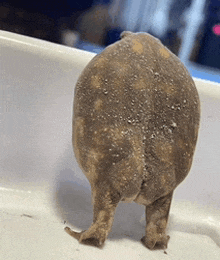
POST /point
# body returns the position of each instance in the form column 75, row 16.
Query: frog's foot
column 161, row 243
column 90, row 237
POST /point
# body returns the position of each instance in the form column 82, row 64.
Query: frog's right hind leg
column 156, row 221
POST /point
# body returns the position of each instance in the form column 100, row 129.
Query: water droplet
column 184, row 101
column 172, row 107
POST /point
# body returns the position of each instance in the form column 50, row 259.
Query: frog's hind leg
column 156, row 221
column 105, row 201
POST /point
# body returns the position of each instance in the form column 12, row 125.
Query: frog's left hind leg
column 105, row 203
column 156, row 221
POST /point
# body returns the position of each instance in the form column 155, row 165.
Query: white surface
column 41, row 186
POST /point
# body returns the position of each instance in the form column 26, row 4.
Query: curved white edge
column 77, row 57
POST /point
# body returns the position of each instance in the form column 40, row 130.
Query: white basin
column 42, row 189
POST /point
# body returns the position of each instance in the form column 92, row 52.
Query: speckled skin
column 135, row 127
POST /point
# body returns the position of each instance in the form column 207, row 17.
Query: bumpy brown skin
column 135, row 127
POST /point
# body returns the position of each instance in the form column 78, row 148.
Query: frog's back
column 136, row 99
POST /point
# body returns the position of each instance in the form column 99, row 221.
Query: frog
column 136, row 120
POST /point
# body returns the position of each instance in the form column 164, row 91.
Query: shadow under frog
column 135, row 126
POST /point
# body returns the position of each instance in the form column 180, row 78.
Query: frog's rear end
column 135, row 127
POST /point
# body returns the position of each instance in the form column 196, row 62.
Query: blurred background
column 189, row 28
